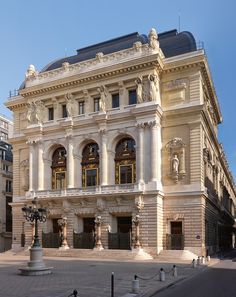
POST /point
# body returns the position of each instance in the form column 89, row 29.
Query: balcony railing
column 104, row 190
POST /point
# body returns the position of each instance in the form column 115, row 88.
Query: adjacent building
column 5, row 184
column 119, row 143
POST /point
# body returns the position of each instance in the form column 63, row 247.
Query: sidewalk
column 89, row 278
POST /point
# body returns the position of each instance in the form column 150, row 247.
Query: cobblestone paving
column 89, row 278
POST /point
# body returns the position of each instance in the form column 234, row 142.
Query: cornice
column 83, row 72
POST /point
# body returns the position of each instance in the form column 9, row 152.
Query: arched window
column 125, row 160
column 90, row 165
column 59, row 168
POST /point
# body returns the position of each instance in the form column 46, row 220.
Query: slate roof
column 172, row 44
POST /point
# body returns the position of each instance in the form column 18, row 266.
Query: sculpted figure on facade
column 25, row 175
column 40, row 111
column 31, row 110
column 139, row 89
column 153, row 39
column 103, row 98
column 70, row 105
column 153, row 90
column 175, row 164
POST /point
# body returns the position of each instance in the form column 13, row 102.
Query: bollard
column 162, row 275
column 208, row 258
column 194, row 264
column 203, row 260
column 198, row 260
column 112, row 284
column 175, row 273
column 135, row 285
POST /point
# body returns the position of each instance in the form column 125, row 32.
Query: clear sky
column 37, row 32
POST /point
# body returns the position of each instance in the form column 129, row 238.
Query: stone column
column 136, row 222
column 103, row 157
column 70, row 163
column 31, row 165
column 63, row 224
column 140, row 155
column 98, row 223
column 155, row 151
column 40, row 167
column 182, row 162
column 78, row 171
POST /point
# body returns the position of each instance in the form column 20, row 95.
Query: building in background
column 6, row 128
column 120, row 140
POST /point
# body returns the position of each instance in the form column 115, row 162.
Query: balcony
column 89, row 191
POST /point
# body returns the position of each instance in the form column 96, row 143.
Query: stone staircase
column 176, row 256
column 86, row 254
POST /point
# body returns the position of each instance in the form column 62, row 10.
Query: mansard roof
column 172, row 44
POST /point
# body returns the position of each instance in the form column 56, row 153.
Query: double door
column 85, row 239
column 122, row 239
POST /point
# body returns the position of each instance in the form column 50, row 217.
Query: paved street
column 217, row 281
column 90, row 278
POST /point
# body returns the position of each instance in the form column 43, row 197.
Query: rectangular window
column 132, row 97
column 91, row 177
column 50, row 113
column 8, row 215
column 96, row 104
column 126, row 174
column 8, row 186
column 64, row 111
column 81, row 107
column 115, row 100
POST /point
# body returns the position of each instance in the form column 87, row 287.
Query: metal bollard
column 194, row 264
column 203, row 260
column 175, row 273
column 208, row 258
column 135, row 285
column 198, row 260
column 112, row 284
column 162, row 275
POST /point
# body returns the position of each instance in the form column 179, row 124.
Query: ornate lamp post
column 36, row 265
column 136, row 222
column 98, row 222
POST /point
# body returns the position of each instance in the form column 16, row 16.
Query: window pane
column 50, row 114
column 96, row 104
column 91, row 177
column 64, row 111
column 81, row 107
column 60, row 180
column 126, row 174
column 132, row 97
column 115, row 100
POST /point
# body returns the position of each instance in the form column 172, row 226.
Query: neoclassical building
column 5, row 184
column 119, row 143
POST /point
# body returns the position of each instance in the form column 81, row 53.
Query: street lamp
column 33, row 215
column 36, row 265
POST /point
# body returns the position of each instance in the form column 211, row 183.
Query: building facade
column 119, row 143
column 5, row 184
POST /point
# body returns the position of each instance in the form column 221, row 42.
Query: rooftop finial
column 31, row 71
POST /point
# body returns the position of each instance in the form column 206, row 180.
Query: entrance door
column 52, row 239
column 85, row 239
column 122, row 239
column 175, row 240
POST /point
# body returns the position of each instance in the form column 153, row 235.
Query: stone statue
column 70, row 104
column 40, row 111
column 31, row 112
column 175, row 164
column 139, row 89
column 153, row 39
column 25, row 175
column 103, row 98
column 153, row 91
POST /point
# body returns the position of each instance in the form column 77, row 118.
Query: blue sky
column 37, row 32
